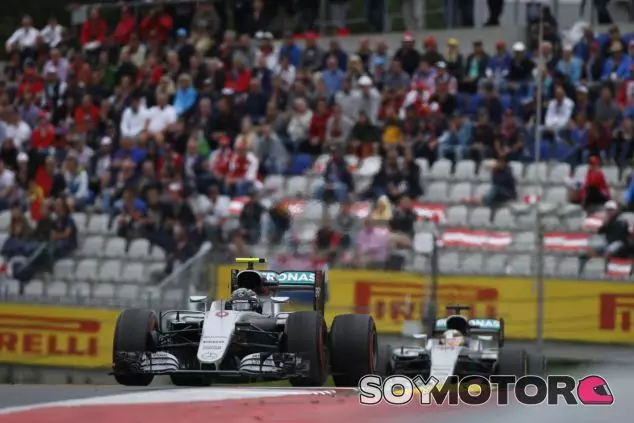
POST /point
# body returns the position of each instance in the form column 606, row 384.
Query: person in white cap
column 616, row 232
column 521, row 67
column 570, row 65
column 368, row 98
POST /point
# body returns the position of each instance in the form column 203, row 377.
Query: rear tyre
column 384, row 361
column 536, row 364
column 512, row 362
column 133, row 334
column 307, row 335
column 353, row 349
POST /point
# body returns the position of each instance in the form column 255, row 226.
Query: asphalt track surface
column 251, row 405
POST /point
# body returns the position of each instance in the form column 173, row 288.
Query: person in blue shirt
column 618, row 66
column 132, row 214
column 499, row 64
column 333, row 76
column 291, row 50
column 628, row 197
column 185, row 96
column 128, row 151
column 570, row 65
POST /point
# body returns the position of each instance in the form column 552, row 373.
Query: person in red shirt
column 238, row 78
column 44, row 135
column 218, row 162
column 318, row 123
column 31, row 81
column 125, row 27
column 243, row 170
column 594, row 192
column 157, row 22
column 94, row 30
column 87, row 115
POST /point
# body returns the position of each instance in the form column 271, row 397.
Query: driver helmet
column 243, row 299
column 453, row 338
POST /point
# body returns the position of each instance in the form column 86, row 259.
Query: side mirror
column 198, row 299
column 420, row 337
column 280, row 300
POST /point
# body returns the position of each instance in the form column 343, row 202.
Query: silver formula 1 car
column 247, row 337
column 461, row 347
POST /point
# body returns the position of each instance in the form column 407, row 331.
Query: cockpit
column 458, row 323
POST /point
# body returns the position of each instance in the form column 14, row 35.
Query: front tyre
column 133, row 334
column 307, row 336
column 353, row 349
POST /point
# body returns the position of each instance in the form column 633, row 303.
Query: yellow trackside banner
column 56, row 336
column 584, row 311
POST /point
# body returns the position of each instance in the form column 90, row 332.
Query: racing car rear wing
column 289, row 280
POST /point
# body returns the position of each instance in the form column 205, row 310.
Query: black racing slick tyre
column 191, row 380
column 512, row 362
column 353, row 349
column 384, row 361
column 133, row 334
column 537, row 364
column 306, row 335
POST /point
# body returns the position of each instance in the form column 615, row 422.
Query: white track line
column 173, row 396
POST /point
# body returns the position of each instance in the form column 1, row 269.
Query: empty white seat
column 93, row 246
column 594, row 268
column 556, row 195
column 460, row 191
column 441, row 169
column 424, row 243
column 580, row 173
column 80, row 220
column 104, row 290
column 9, row 287
column 558, row 173
column 465, row 170
column 56, row 289
column 80, row 290
column 98, row 224
column 520, row 265
column 419, row 263
column 480, row 216
column 307, row 232
column 134, row 273
column 550, row 265
column 5, row 220
column 361, row 184
column 524, row 241
column 481, row 190
column 536, row 172
column 273, row 183
column 110, row 271
column 495, row 263
column 149, row 295
column 139, row 248
column 86, row 270
column 569, row 266
column 484, row 172
column 128, row 291
column 473, row 263
column 296, row 186
column 457, row 216
column 173, row 295
column 504, row 219
column 34, row 288
column 3, row 238
column 369, row 166
column 64, row 269
column 437, row 191
column 313, row 210
column 423, row 164
column 611, row 175
column 449, row 262
column 115, row 248
column 157, row 253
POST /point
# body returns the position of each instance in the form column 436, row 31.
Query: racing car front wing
column 273, row 366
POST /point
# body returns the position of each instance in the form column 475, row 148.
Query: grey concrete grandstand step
column 460, row 191
column 457, row 216
column 521, row 264
column 535, row 172
column 56, row 289
column 558, row 173
column 134, row 273
column 580, row 173
column 128, row 291
column 484, row 172
column 594, row 268
column 449, row 262
column 369, row 166
column 115, row 248
column 104, row 290
column 34, row 288
column 518, row 170
column 87, row 270
column 481, row 190
column 98, row 224
column 9, row 287
column 139, row 249
column 437, row 191
column 495, row 263
column 557, row 195
column 480, row 217
column 504, row 219
column 109, row 271
column 568, row 267
column 465, row 170
column 473, row 263
column 64, row 270
column 93, row 246
column 297, row 186
column 441, row 170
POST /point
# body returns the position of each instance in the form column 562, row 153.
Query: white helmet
column 453, row 338
column 243, row 299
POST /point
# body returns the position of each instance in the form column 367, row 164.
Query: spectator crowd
column 160, row 122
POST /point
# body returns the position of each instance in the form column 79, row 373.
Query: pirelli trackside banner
column 584, row 311
column 56, row 336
